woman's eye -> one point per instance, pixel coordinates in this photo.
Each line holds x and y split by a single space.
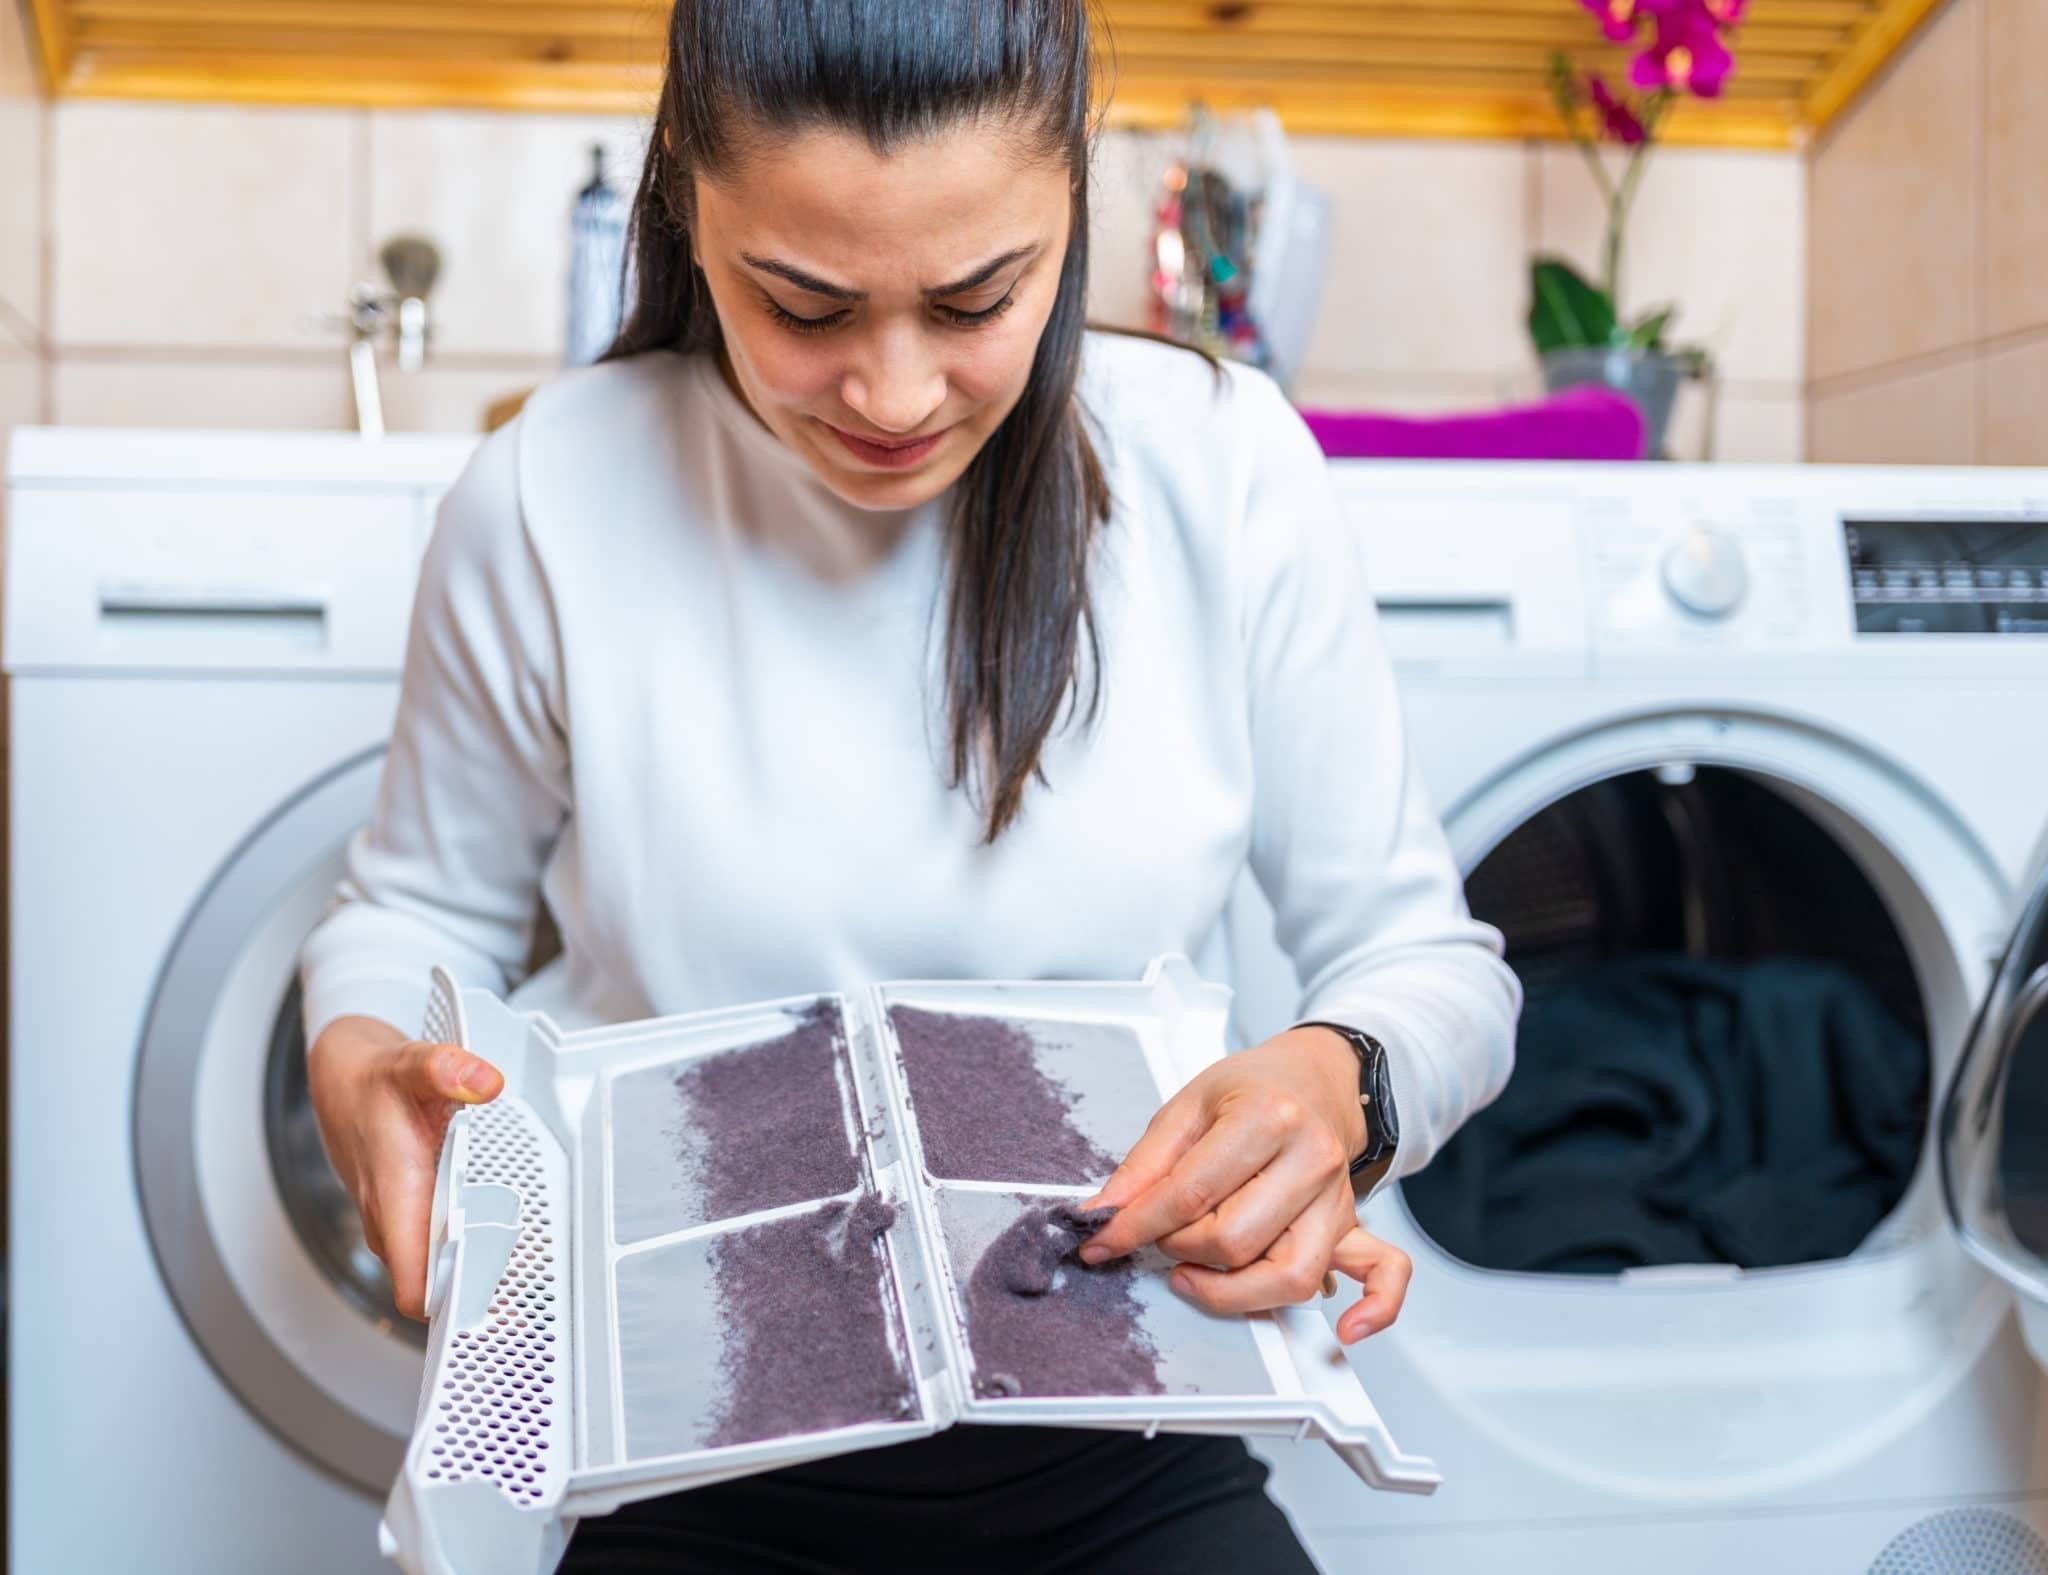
803 325
958 316
987 314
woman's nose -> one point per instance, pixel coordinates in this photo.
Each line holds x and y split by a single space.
898 385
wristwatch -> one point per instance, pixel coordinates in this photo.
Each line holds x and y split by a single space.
1376 1098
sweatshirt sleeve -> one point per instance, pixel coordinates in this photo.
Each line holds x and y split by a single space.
1345 842
475 788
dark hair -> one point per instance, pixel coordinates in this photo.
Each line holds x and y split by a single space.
1019 615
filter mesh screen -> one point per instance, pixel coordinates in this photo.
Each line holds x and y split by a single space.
1116 1331
734 1132
1016 1100
766 1330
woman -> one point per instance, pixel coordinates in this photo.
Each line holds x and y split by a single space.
865 618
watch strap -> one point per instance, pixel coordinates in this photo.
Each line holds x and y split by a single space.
1375 1098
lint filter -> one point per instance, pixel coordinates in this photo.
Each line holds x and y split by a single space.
694 1248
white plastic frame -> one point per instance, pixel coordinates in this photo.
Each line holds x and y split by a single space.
520 1432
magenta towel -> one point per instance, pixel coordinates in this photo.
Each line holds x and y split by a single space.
1586 422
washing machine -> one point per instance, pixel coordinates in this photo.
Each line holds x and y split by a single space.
206 1376
1730 715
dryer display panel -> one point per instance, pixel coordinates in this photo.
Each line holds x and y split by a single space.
1948 576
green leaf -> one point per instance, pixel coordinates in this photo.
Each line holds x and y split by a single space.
1566 312
1649 333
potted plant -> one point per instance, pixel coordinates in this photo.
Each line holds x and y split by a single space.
1581 331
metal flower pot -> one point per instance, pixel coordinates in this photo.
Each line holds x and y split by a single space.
1649 377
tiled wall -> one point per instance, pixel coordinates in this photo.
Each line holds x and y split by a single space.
204 254
1427 294
23 146
197 247
1929 312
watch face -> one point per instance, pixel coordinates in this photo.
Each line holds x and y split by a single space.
1376 1091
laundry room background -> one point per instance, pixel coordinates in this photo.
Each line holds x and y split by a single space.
180 264
1718 747
1930 219
192 254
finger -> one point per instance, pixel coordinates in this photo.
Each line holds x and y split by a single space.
431 1071
1292 1272
1172 1129
1384 1271
403 1208
1223 1159
1250 1220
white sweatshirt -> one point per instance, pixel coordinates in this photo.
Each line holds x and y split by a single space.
643 682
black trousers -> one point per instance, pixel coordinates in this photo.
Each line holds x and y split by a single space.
968 1501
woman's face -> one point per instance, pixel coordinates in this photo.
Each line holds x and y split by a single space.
880 313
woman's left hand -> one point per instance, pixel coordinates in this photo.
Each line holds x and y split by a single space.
1243 1175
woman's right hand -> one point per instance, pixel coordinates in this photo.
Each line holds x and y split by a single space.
383 1102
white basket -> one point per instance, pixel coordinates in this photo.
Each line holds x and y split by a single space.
528 1419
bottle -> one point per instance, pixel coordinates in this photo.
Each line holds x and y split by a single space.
597 265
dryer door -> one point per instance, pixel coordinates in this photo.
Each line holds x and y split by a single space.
255 1237
1994 1121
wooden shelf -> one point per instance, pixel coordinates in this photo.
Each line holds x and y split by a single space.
1430 68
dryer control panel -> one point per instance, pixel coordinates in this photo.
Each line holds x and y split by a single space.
1692 569
1790 572
1955 575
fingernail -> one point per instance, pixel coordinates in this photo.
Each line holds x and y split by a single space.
1094 1254
1181 1282
466 1082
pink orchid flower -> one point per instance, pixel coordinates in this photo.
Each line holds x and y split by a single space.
1618 122
1688 55
1618 17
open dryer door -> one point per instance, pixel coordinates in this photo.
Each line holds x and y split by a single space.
1994 1121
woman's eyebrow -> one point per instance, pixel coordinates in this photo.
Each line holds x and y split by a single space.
985 272
811 284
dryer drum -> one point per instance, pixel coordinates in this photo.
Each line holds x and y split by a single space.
321 1211
1724 1053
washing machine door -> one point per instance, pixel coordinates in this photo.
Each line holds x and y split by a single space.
259 1245
1994 1121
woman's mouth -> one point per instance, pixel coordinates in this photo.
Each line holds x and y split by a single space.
887 454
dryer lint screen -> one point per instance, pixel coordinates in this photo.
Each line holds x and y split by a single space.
754 1296
1023 1101
718 1135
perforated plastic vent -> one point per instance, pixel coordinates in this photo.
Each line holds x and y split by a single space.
1965 1542
444 1017
498 1414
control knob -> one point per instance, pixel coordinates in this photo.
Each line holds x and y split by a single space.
1705 573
